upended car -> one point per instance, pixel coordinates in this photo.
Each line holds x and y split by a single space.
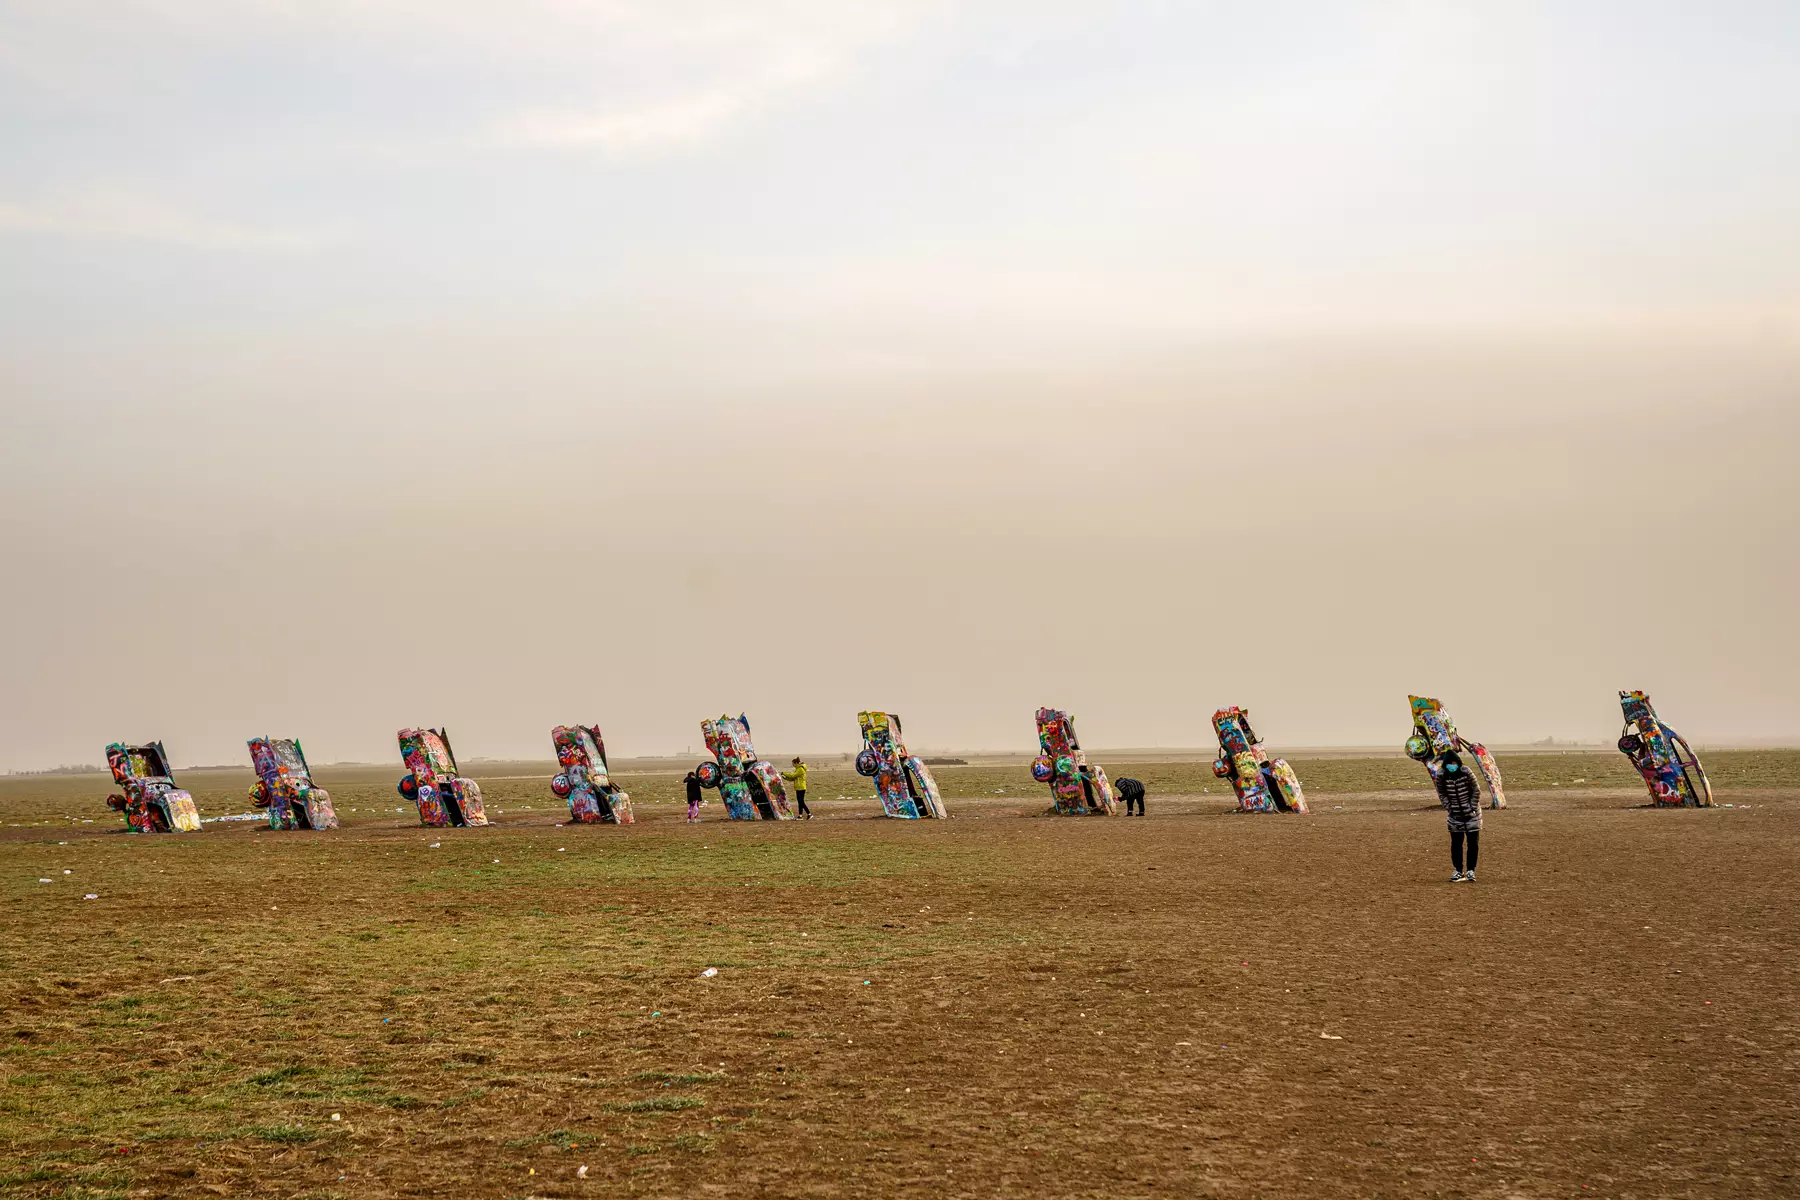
1059 763
147 794
1670 768
902 781
1262 784
1434 735
749 787
584 779
285 787
432 782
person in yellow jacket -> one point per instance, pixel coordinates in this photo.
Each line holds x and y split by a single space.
798 776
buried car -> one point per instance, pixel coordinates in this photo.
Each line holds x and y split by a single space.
1670 768
147 793
285 786
902 781
749 787
585 781
1077 786
1434 735
1262 784
443 796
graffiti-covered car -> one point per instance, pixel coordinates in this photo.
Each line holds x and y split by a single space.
1434 735
1078 786
584 779
284 786
902 781
148 795
749 787
444 796
1670 768
1262 784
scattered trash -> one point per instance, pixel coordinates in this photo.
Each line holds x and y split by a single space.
581 1172
435 845
43 881
709 972
67 872
337 1116
250 816
96 896
1330 1037
496 860
1184 1043
560 849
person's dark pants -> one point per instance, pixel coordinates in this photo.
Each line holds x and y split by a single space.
1134 800
801 797
1456 847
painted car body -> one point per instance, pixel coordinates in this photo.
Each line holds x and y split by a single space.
585 781
285 787
444 796
902 781
148 795
1262 784
1434 735
1670 768
1059 762
749 787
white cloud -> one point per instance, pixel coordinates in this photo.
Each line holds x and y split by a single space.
129 218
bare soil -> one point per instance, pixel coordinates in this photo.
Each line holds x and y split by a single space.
1196 1003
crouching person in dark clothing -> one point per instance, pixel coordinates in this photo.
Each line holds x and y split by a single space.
1133 791
1462 805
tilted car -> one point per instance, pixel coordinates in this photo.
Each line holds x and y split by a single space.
1059 763
1262 784
585 780
902 781
749 787
431 781
147 793
1670 768
285 786
1434 735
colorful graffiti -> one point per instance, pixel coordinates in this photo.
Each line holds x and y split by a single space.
1434 735
147 795
285 786
431 781
1670 768
1262 784
749 787
1077 786
584 779
903 782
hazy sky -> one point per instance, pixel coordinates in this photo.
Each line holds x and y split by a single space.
503 365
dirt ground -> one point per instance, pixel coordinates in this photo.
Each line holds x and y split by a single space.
1196 1003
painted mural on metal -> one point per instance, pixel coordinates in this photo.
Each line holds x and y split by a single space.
1435 735
1670 768
1077 786
1262 784
443 796
148 794
285 788
749 787
584 779
903 782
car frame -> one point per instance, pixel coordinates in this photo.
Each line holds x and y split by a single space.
1668 764
1434 735
903 782
443 795
748 787
1261 784
585 780
148 794
1059 762
285 786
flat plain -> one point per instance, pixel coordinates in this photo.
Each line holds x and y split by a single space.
1195 1003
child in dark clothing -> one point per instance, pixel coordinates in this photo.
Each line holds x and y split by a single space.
1462 806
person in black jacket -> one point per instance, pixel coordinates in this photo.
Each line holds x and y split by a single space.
1462 806
1133 791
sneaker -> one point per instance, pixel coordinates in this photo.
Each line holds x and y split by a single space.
1459 877
1468 877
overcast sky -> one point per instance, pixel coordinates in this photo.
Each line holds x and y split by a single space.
404 362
